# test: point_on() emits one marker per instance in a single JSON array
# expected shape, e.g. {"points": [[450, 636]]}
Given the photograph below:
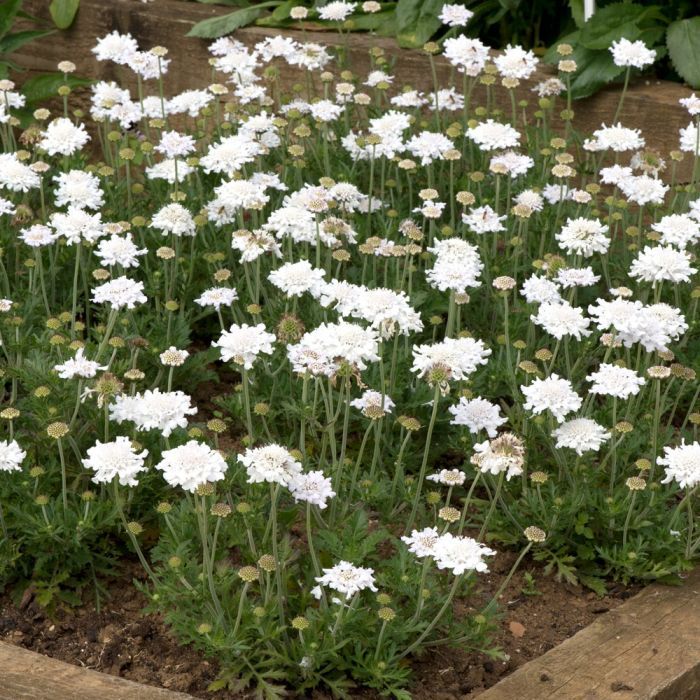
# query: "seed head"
{"points": [[535, 534]]}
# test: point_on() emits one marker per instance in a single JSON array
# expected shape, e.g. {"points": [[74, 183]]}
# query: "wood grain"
{"points": [[26, 675], [648, 648]]}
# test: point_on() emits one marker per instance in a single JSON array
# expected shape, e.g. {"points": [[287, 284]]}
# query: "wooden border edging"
{"points": [[651, 106], [648, 648], [26, 675]]}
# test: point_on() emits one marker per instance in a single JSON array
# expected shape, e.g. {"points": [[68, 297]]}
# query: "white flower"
{"points": [[78, 366], [190, 101], [115, 459], [635, 54], [679, 230], [458, 265], [492, 136], [692, 104], [682, 464], [515, 164], [662, 263], [347, 579], [191, 465], [116, 250], [77, 225], [15, 175], [460, 554], [153, 410], [484, 219], [515, 62], [477, 414], [37, 235], [461, 356], [325, 111], [429, 146], [80, 188], [614, 174], [175, 145], [467, 54], [294, 279], [560, 319], [581, 435], [62, 137], [448, 477], [504, 454], [120, 293], [583, 237], [116, 47], [244, 343], [455, 15], [618, 138], [172, 357], [554, 394], [174, 218], [371, 399], [11, 456], [217, 297], [612, 380], [539, 290], [422, 542], [387, 311], [165, 170], [230, 154], [312, 487], [643, 189], [270, 463], [337, 11]]}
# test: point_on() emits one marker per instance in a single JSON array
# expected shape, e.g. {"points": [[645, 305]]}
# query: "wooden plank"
{"points": [[646, 649], [652, 107], [26, 675]]}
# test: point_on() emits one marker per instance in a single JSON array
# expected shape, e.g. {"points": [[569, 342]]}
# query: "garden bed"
{"points": [[122, 641], [651, 106]]}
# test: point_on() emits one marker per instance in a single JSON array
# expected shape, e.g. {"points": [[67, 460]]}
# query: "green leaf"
{"points": [[12, 42], [683, 41], [63, 12], [596, 70], [610, 24], [281, 13], [416, 21], [576, 7], [42, 87], [8, 12], [219, 26]]}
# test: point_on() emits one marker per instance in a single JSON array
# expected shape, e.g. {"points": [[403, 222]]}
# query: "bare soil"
{"points": [[123, 641]]}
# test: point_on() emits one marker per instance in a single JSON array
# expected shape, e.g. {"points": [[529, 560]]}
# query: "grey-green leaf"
{"points": [[63, 12], [683, 40], [225, 24]]}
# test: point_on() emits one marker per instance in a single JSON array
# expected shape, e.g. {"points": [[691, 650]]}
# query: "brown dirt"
{"points": [[122, 641]]}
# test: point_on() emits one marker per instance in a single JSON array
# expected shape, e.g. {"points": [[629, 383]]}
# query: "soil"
{"points": [[122, 641]]}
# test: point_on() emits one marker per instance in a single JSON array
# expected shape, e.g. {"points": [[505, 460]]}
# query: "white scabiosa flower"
{"points": [[448, 477], [516, 62], [216, 297], [373, 404], [172, 357], [191, 465], [583, 237], [554, 394], [294, 279], [11, 456], [460, 554], [484, 219], [429, 146], [243, 344], [312, 487], [618, 138], [468, 55], [502, 455], [422, 542], [62, 137], [15, 175], [560, 319], [662, 263], [477, 414], [116, 47], [643, 189], [347, 579], [336, 11], [79, 188], [78, 366], [120, 293], [117, 250], [678, 230], [174, 218], [569, 277], [493, 136], [388, 312], [37, 236], [115, 459], [153, 410], [455, 15], [175, 145], [271, 463], [581, 435], [77, 225], [461, 357], [634, 54], [682, 464], [540, 290], [612, 380]]}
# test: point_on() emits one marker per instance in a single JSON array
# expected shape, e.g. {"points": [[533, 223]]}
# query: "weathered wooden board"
{"points": [[646, 649], [25, 675], [653, 107]]}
